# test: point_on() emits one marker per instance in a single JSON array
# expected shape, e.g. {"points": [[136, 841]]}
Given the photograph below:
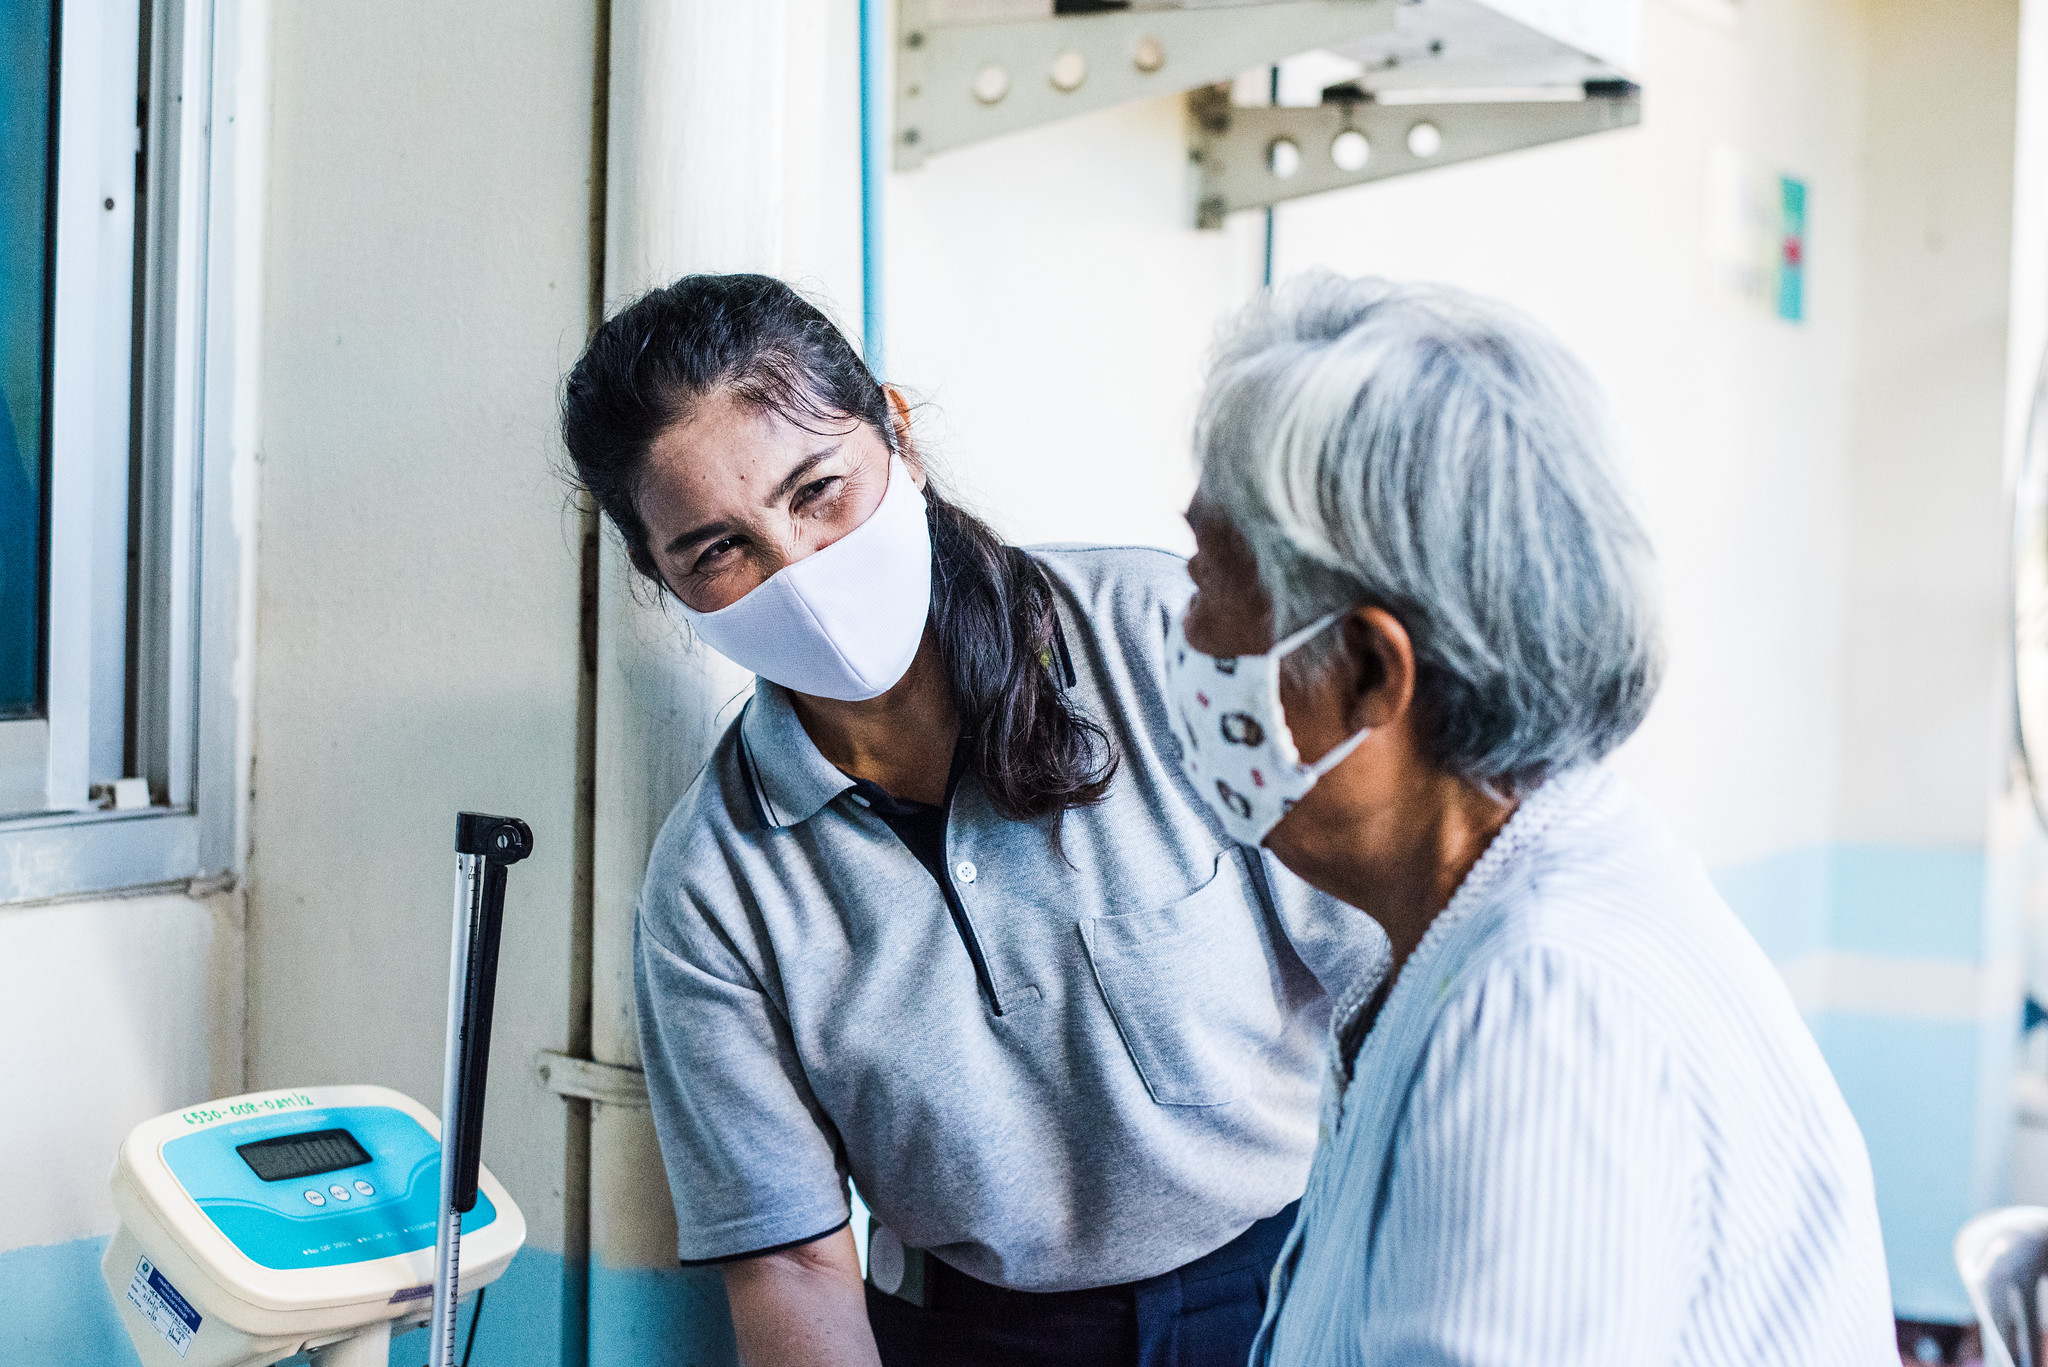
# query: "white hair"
{"points": [[1424, 450]]}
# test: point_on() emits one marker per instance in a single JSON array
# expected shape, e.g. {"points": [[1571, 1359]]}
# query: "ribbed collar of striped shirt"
{"points": [[1588, 1126]]}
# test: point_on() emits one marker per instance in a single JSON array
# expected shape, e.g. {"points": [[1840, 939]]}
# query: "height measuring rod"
{"points": [[485, 846]]}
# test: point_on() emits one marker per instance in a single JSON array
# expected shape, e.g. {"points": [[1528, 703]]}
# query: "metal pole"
{"points": [[469, 889], [1272, 97], [875, 144]]}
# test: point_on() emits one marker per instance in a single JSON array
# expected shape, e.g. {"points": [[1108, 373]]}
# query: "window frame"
{"points": [[91, 368], [166, 700]]}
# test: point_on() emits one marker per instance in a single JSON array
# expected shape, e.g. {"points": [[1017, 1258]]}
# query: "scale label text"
{"points": [[169, 1313]]}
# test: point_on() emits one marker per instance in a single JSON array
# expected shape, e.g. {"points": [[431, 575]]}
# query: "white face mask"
{"points": [[844, 623], [1234, 743]]}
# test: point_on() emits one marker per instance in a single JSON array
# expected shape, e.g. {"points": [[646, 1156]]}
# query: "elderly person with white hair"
{"points": [[1575, 1117]]}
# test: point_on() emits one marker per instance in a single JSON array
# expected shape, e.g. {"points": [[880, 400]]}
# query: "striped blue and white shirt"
{"points": [[1589, 1127]]}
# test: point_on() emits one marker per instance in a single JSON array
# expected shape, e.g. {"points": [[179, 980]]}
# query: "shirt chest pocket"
{"points": [[1191, 987]]}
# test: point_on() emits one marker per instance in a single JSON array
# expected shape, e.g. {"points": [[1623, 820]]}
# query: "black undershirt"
{"points": [[1352, 1037], [921, 827]]}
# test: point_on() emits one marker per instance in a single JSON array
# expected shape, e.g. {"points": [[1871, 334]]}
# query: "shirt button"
{"points": [[965, 871]]}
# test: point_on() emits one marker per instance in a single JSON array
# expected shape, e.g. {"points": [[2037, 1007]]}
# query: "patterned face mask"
{"points": [[1234, 743]]}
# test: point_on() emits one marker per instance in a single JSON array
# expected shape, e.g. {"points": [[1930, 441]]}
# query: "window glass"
{"points": [[26, 259]]}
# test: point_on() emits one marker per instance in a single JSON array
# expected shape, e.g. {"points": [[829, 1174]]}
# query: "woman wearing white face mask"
{"points": [[1578, 1118], [941, 913]]}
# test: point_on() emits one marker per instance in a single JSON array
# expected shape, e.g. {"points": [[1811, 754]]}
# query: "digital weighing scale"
{"points": [[323, 1218]]}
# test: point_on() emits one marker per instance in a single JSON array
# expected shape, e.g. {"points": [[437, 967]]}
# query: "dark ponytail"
{"points": [[992, 606]]}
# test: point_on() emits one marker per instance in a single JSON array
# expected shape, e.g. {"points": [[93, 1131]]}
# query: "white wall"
{"points": [[1925, 687], [1929, 547], [115, 1011], [426, 285], [1050, 306]]}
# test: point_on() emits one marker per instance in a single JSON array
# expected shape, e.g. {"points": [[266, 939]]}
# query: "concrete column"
{"points": [[732, 146]]}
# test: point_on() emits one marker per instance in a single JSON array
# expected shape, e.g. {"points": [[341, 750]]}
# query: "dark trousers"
{"points": [[1201, 1315]]}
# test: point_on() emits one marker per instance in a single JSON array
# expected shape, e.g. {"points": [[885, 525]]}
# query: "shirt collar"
{"points": [[1557, 800], [790, 781]]}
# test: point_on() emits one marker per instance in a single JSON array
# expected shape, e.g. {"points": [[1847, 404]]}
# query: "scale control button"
{"points": [[315, 1198], [365, 1189], [338, 1192]]}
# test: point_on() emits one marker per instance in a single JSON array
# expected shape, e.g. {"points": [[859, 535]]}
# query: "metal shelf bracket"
{"points": [[1247, 158], [961, 82]]}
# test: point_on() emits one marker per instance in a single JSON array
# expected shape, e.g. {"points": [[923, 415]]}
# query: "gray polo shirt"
{"points": [[1136, 1084]]}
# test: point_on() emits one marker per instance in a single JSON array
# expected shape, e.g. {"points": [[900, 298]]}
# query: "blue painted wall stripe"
{"points": [[1923, 904], [522, 1318], [670, 1317], [1928, 1094], [58, 1313], [1864, 899], [1912, 1085], [1784, 900]]}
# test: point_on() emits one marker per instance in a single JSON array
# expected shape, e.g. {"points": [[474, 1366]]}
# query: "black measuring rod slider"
{"points": [[499, 839]]}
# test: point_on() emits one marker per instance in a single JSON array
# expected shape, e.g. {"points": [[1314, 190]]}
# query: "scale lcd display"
{"points": [[292, 1156]]}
